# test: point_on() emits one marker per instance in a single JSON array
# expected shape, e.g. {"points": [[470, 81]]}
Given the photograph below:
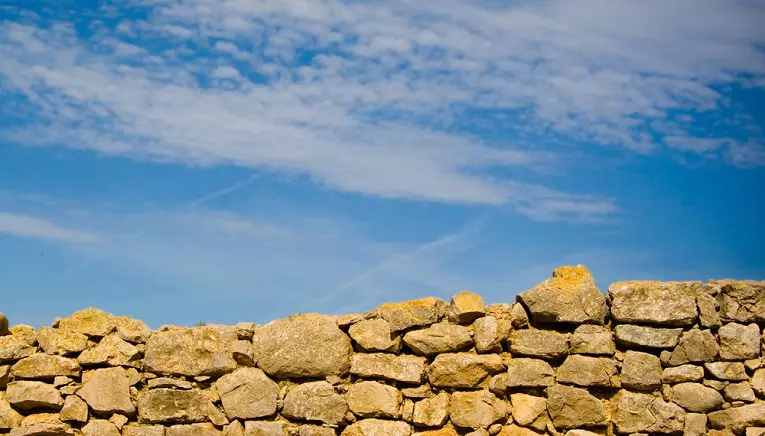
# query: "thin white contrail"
{"points": [[191, 205], [463, 231]]}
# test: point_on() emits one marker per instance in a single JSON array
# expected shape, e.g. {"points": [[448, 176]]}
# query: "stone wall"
{"points": [[646, 358]]}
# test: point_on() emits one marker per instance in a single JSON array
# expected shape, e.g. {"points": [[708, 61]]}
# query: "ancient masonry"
{"points": [[681, 358]]}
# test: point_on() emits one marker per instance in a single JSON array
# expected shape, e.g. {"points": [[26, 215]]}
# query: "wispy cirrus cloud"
{"points": [[25, 226]]}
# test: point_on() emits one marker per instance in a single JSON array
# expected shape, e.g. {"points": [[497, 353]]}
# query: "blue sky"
{"points": [[228, 160]]}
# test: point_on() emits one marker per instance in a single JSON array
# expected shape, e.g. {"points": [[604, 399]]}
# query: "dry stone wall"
{"points": [[675, 358]]}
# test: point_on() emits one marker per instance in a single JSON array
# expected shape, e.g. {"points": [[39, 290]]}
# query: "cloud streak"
{"points": [[25, 226]]}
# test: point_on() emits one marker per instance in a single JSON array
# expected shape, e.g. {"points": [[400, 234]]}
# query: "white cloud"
{"points": [[36, 228]]}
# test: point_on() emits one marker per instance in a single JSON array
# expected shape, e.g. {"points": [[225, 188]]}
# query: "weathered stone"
{"points": [[170, 383], [539, 343], [132, 330], [641, 371], [242, 352], [758, 382], [247, 393], [100, 427], [520, 318], [570, 296], [75, 409], [196, 351], [422, 391], [635, 412], [24, 332], [571, 407], [90, 321], [63, 342], [374, 335], [476, 409], [160, 406], [708, 316], [465, 308], [741, 391], [370, 399], [234, 429], [408, 314], [302, 346], [643, 336], [755, 431], [514, 430], [526, 408], [407, 369], [592, 339], [377, 427], [108, 391], [28, 395], [13, 348], [315, 430], [525, 372], [696, 397], [664, 303], [581, 433], [45, 367], [445, 431], [112, 351], [315, 401], [739, 418], [695, 424], [741, 301], [432, 412], [265, 428], [438, 338], [739, 342], [682, 373], [716, 384], [733, 371], [695, 346], [463, 370], [9, 418], [407, 410], [198, 429], [588, 371], [5, 375], [45, 424], [498, 384], [488, 335]]}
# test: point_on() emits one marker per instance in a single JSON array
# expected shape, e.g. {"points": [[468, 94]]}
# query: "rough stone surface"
{"points": [[571, 407], [641, 371], [371, 399], [742, 301], [682, 373], [733, 371], [302, 346], [374, 335], [570, 296], [315, 401], [539, 343], [525, 372], [247, 393], [41, 366], [696, 397], [407, 369], [741, 391], [636, 412], [488, 335], [758, 382], [9, 418], [592, 339], [661, 303], [708, 316], [438, 338], [75, 410], [466, 307], [695, 346], [527, 408], [26, 395], [63, 342], [738, 419], [14, 348], [198, 429], [198, 351], [377, 427], [589, 371], [476, 409], [408, 314], [108, 391], [432, 412], [695, 424], [90, 321], [645, 336], [112, 351], [739, 342], [463, 370], [161, 406], [264, 428], [100, 427]]}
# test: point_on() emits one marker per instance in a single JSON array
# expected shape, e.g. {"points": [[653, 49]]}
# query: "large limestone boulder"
{"points": [[90, 321], [63, 342], [476, 409], [648, 337], [100, 427], [733, 371], [315, 401], [403, 368], [197, 351], [588, 371], [108, 391], [538, 343], [708, 314], [741, 301], [529, 373], [112, 351], [75, 410], [739, 342], [27, 395], [682, 373], [571, 407], [758, 382], [247, 393], [739, 418], [641, 371], [302, 346], [432, 412], [465, 307], [41, 366], [9, 418], [42, 424], [438, 338], [663, 303], [378, 427], [132, 330], [463, 370], [570, 296], [161, 406], [370, 399], [527, 408], [635, 412], [695, 346], [408, 314], [592, 339], [372, 335], [488, 334], [13, 347], [696, 397]]}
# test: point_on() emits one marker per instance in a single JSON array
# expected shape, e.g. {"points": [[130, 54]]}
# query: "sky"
{"points": [[243, 160]]}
